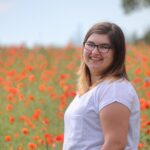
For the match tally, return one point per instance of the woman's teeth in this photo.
(98, 59)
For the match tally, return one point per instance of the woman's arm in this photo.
(114, 120)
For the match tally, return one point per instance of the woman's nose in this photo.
(95, 50)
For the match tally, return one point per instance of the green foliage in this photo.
(132, 5)
(146, 37)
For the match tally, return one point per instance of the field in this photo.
(36, 86)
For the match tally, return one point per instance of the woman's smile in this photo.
(95, 59)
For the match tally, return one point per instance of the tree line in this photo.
(130, 6)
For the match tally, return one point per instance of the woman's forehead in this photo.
(98, 38)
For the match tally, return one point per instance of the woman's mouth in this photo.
(95, 59)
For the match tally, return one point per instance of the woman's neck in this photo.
(95, 78)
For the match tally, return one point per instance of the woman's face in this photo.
(100, 57)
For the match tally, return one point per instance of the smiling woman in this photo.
(97, 57)
(105, 113)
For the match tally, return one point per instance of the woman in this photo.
(105, 113)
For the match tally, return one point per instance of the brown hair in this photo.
(117, 68)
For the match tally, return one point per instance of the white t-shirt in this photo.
(83, 130)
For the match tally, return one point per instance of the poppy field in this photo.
(36, 86)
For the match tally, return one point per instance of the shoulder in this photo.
(121, 88)
(113, 85)
(115, 91)
(124, 87)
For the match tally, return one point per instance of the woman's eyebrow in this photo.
(90, 42)
(98, 44)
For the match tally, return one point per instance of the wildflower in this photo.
(31, 97)
(11, 119)
(32, 146)
(48, 138)
(31, 78)
(25, 131)
(59, 138)
(36, 114)
(42, 88)
(7, 138)
(9, 107)
(46, 121)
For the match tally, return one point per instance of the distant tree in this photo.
(133, 38)
(146, 37)
(133, 5)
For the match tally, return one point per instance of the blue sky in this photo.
(59, 21)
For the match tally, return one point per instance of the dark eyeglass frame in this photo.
(102, 48)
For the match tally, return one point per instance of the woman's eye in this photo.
(91, 45)
(105, 46)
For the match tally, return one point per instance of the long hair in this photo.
(116, 69)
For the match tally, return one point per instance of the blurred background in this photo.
(40, 54)
(53, 22)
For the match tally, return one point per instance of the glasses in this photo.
(103, 48)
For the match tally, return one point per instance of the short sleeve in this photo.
(114, 92)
